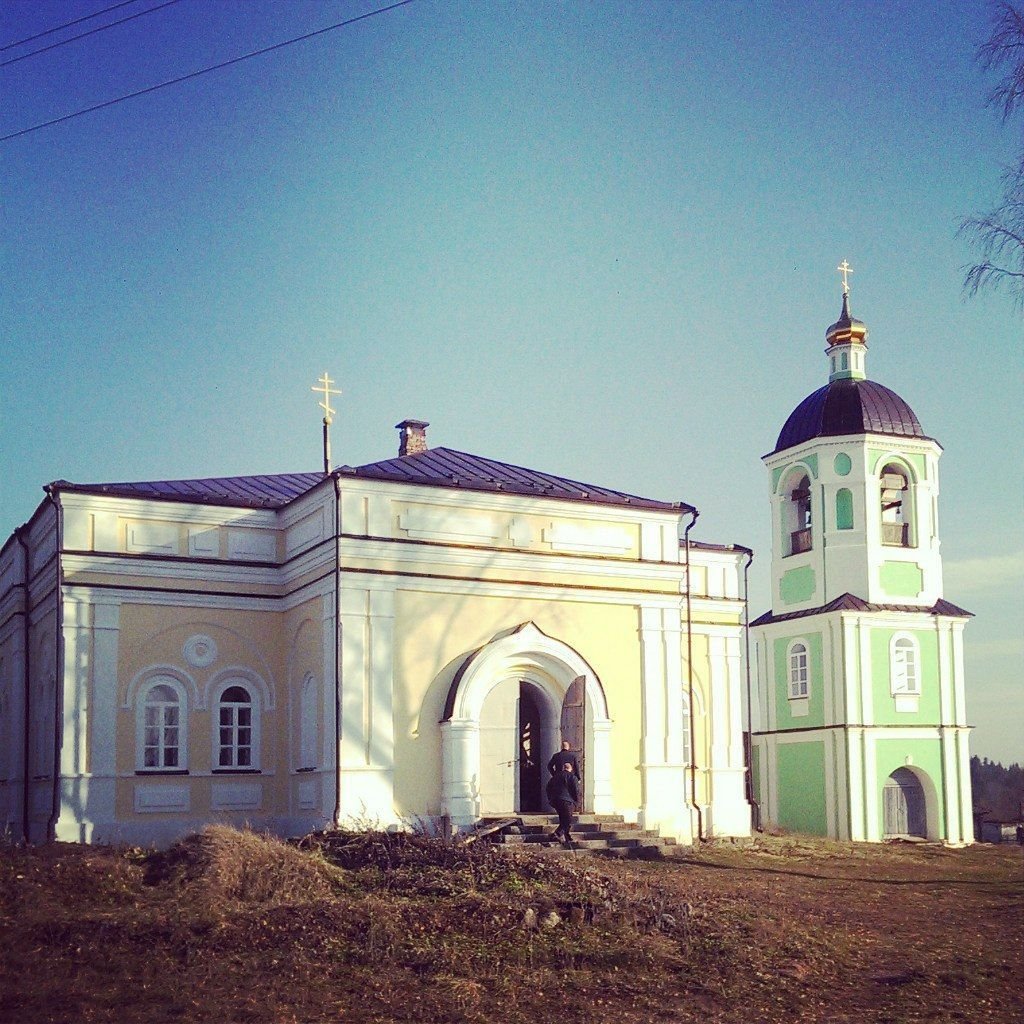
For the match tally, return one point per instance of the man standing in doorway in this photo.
(563, 794)
(564, 756)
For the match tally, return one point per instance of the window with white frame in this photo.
(161, 739)
(903, 666)
(799, 670)
(237, 730)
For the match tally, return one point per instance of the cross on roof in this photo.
(326, 390)
(845, 269)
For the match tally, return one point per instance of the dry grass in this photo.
(235, 927)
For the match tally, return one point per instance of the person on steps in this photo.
(561, 757)
(563, 794)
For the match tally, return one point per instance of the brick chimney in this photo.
(413, 437)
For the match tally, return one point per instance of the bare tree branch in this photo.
(999, 234)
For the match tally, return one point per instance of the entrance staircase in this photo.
(606, 835)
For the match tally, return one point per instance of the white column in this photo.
(874, 826)
(855, 781)
(601, 735)
(864, 679)
(460, 771)
(331, 755)
(367, 721)
(959, 700)
(950, 787)
(103, 721)
(663, 780)
(945, 681)
(72, 822)
(964, 771)
(730, 812)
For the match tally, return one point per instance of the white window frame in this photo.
(905, 686)
(142, 724)
(791, 653)
(234, 726)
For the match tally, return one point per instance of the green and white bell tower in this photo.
(863, 731)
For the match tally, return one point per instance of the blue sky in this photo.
(594, 239)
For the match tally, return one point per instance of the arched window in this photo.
(308, 724)
(844, 509)
(161, 736)
(903, 666)
(237, 727)
(799, 670)
(798, 515)
(895, 506)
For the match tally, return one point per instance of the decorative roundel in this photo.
(843, 464)
(200, 651)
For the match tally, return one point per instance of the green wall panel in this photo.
(929, 705)
(797, 585)
(801, 786)
(816, 700)
(901, 579)
(844, 509)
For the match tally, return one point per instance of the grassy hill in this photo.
(229, 927)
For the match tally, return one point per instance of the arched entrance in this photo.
(517, 727)
(503, 720)
(904, 810)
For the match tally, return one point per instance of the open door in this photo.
(574, 726)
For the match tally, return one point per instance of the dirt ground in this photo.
(235, 927)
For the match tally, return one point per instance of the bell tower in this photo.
(859, 661)
(855, 483)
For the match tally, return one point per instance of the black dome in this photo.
(849, 406)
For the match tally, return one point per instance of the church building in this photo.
(406, 643)
(863, 731)
(399, 644)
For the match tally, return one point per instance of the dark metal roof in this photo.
(437, 467)
(848, 406)
(274, 491)
(851, 603)
(445, 467)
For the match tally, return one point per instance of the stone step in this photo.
(608, 835)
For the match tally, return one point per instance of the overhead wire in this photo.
(67, 24)
(203, 71)
(91, 32)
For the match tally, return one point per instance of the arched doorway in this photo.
(516, 728)
(903, 806)
(503, 720)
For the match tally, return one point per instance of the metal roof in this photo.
(848, 406)
(273, 491)
(437, 467)
(851, 603)
(445, 467)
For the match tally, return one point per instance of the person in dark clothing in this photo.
(563, 794)
(564, 755)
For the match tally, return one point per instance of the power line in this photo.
(91, 32)
(203, 71)
(67, 24)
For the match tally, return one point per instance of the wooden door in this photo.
(574, 726)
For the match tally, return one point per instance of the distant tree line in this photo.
(998, 791)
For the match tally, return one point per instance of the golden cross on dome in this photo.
(845, 269)
(326, 390)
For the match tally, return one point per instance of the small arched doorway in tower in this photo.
(903, 804)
